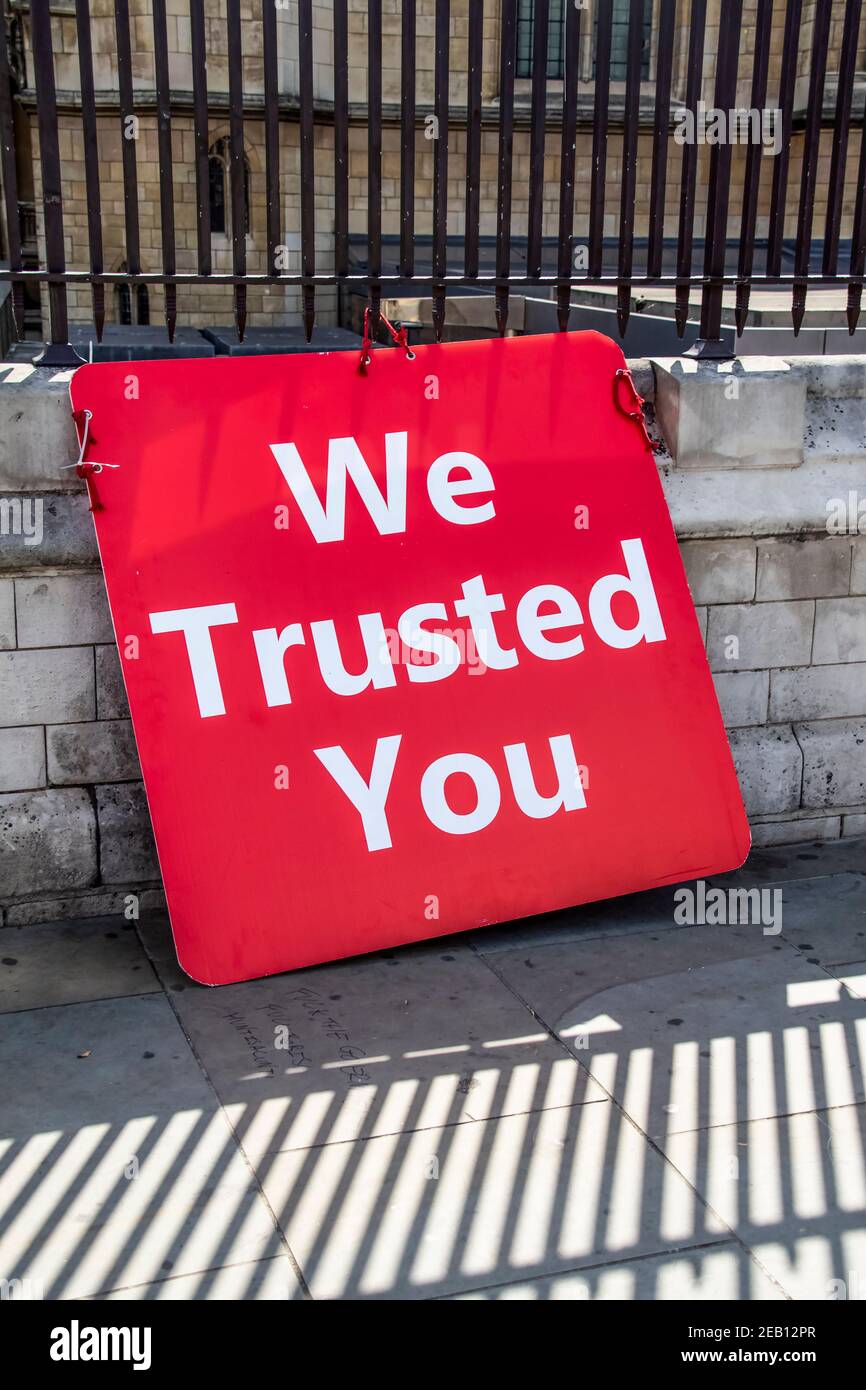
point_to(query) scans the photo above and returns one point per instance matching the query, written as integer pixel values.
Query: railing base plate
(59, 355)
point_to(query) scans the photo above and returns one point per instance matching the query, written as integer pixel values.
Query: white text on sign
(543, 609)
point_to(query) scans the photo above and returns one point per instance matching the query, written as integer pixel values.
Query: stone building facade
(280, 304)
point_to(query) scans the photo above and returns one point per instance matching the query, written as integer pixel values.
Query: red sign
(408, 650)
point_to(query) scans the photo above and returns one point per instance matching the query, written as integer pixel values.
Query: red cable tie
(623, 374)
(87, 471)
(367, 343)
(399, 336)
(403, 342)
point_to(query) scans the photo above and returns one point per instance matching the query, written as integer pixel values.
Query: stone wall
(781, 599)
(785, 628)
(766, 480)
(74, 831)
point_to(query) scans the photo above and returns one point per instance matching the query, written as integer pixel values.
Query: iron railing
(730, 254)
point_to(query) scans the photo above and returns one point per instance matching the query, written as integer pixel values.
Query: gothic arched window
(219, 189)
(124, 301)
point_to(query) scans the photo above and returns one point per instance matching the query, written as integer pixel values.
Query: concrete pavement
(601, 1103)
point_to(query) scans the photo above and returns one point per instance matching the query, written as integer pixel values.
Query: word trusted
(408, 650)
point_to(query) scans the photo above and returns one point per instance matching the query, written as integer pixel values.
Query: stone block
(720, 571)
(97, 902)
(47, 841)
(54, 529)
(101, 751)
(804, 568)
(742, 696)
(769, 765)
(752, 502)
(22, 759)
(766, 635)
(839, 377)
(835, 429)
(111, 702)
(818, 692)
(840, 630)
(834, 762)
(32, 454)
(758, 422)
(7, 613)
(797, 832)
(53, 686)
(62, 610)
(127, 851)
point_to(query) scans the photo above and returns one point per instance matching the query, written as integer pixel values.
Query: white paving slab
(825, 918)
(696, 1035)
(271, 1280)
(446, 1210)
(417, 1038)
(703, 1274)
(118, 1166)
(71, 962)
(794, 1189)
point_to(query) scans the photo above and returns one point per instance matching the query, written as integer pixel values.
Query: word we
(387, 510)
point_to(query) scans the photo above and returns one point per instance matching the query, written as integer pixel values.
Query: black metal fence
(541, 39)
